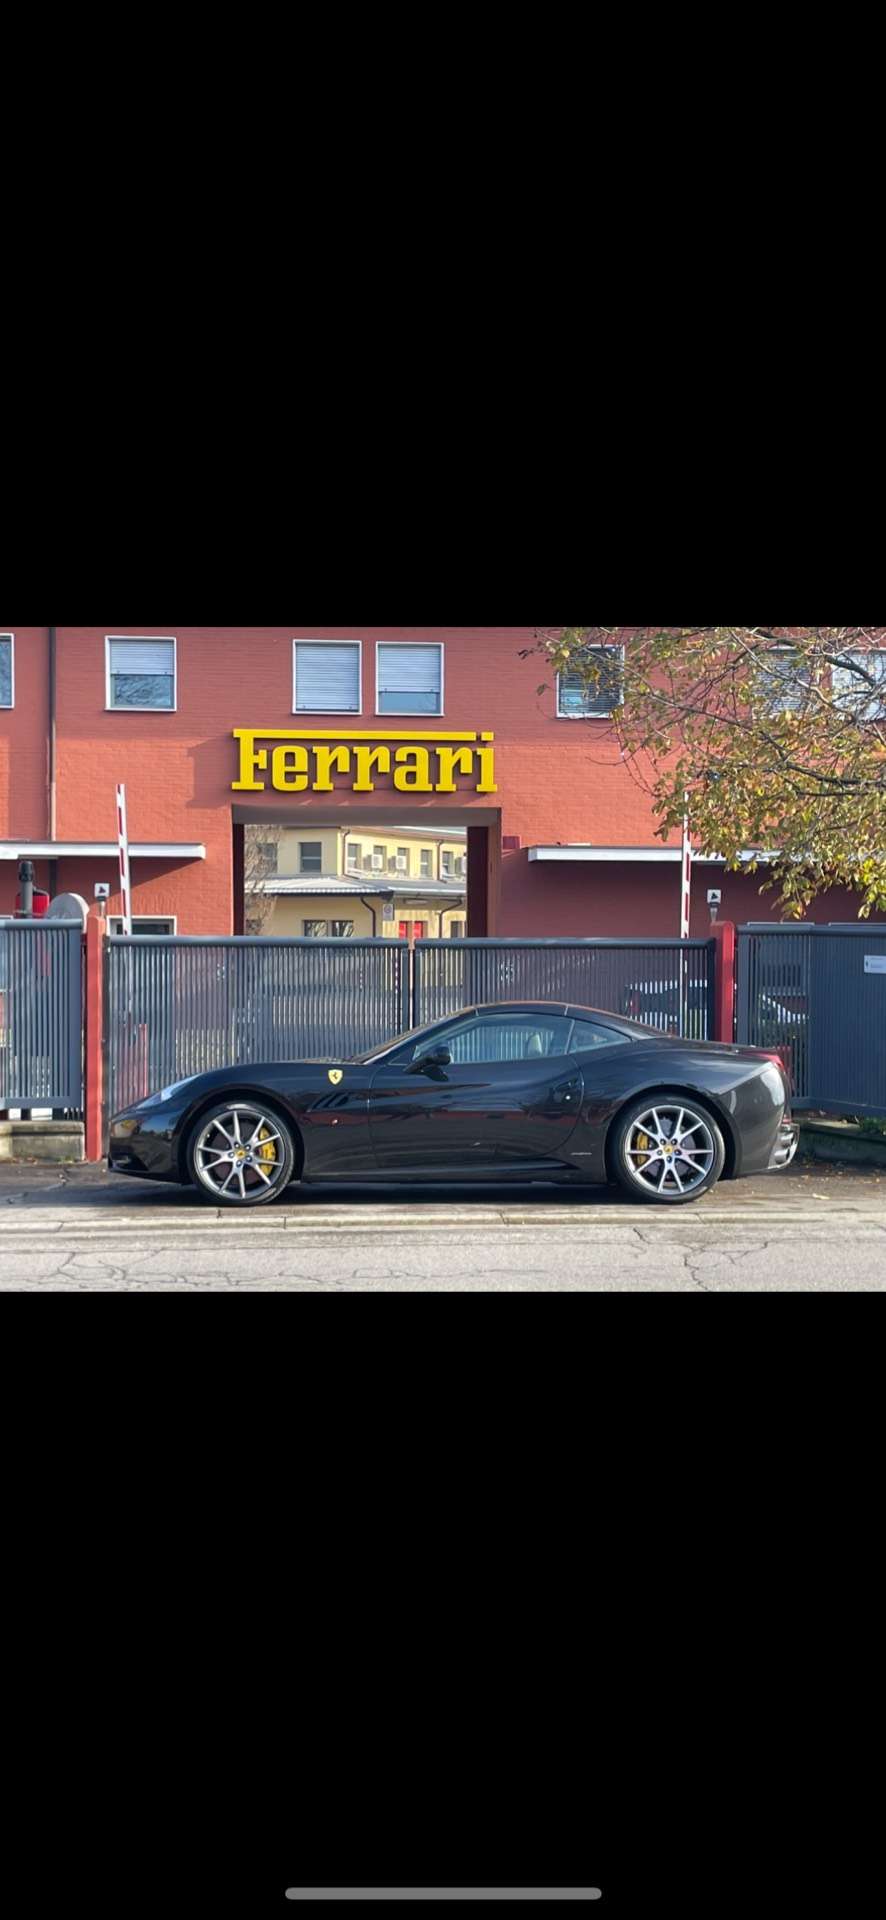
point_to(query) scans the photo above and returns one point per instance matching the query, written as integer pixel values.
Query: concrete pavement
(79, 1229)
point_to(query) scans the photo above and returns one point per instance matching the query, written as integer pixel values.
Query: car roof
(571, 1010)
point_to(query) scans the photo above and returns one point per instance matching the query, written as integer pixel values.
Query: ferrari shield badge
(336, 1075)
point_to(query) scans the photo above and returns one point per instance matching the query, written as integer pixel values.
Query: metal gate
(41, 1015)
(817, 995)
(177, 1006)
(668, 984)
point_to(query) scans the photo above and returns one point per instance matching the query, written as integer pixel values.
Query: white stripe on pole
(123, 841)
(686, 898)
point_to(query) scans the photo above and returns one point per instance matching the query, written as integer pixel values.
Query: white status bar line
(444, 1893)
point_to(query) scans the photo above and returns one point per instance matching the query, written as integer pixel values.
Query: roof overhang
(655, 856)
(100, 850)
(329, 888)
(641, 856)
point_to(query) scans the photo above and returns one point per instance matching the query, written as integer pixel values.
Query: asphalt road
(74, 1230)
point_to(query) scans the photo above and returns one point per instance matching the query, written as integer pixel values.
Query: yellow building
(356, 883)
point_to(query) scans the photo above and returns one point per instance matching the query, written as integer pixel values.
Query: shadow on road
(92, 1187)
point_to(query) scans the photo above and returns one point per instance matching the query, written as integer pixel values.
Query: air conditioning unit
(401, 864)
(378, 863)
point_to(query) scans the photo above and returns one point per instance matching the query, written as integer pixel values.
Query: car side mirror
(438, 1057)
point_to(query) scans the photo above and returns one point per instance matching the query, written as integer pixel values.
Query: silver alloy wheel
(240, 1153)
(669, 1150)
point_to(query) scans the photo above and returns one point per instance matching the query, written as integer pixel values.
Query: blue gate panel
(41, 1015)
(817, 996)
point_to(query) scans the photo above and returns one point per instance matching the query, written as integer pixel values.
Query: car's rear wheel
(241, 1154)
(667, 1150)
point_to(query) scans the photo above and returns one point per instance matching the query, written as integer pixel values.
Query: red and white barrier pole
(686, 899)
(125, 880)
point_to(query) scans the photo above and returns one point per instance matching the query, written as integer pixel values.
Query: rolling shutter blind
(409, 677)
(594, 698)
(327, 679)
(142, 656)
(142, 673)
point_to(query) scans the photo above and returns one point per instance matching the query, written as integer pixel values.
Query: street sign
(875, 963)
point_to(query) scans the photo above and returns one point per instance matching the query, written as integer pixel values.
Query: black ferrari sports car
(523, 1091)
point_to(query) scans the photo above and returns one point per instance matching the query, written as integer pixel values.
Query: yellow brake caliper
(645, 1145)
(267, 1152)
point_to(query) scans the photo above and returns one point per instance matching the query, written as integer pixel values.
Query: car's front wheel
(241, 1155)
(667, 1150)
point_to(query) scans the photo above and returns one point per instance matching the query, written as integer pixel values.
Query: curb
(47, 1142)
(847, 1145)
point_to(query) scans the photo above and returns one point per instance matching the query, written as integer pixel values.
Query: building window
(329, 929)
(161, 928)
(327, 676)
(354, 854)
(453, 866)
(253, 926)
(266, 855)
(403, 860)
(378, 860)
(419, 929)
(410, 678)
(427, 864)
(141, 674)
(579, 699)
(861, 693)
(456, 929)
(7, 674)
(311, 856)
(784, 679)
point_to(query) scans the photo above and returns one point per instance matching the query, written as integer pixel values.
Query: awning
(646, 856)
(100, 850)
(654, 855)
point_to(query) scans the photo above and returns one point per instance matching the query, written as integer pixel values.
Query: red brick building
(386, 725)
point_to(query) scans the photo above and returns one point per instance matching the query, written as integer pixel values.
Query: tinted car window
(488, 1040)
(587, 1035)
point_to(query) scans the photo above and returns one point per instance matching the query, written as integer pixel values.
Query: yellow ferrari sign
(336, 1075)
(306, 762)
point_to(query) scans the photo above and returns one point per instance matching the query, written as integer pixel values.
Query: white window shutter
(403, 669)
(142, 656)
(327, 678)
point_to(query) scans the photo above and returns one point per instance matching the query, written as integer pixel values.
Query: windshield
(402, 1040)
